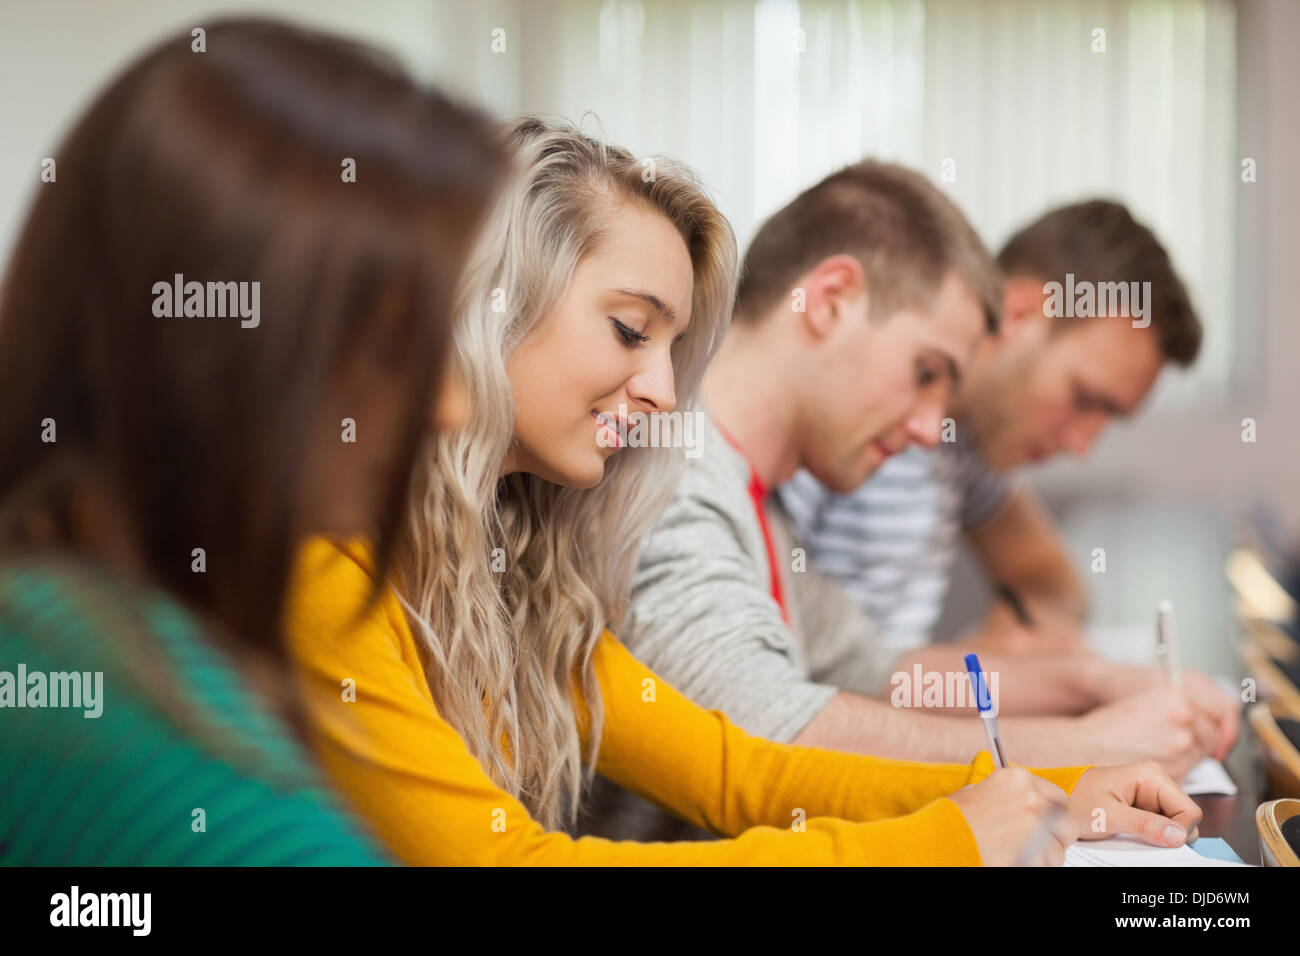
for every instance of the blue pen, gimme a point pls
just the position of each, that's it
(984, 704)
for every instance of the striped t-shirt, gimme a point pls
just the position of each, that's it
(891, 542)
(95, 773)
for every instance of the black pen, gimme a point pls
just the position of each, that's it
(1008, 594)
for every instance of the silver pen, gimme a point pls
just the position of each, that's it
(1166, 645)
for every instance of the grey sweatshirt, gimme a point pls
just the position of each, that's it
(704, 619)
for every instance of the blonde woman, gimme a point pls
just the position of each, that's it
(464, 712)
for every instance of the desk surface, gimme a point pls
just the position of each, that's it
(1233, 818)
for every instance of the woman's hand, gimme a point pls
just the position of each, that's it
(1010, 808)
(1141, 799)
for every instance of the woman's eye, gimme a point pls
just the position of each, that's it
(630, 336)
(925, 376)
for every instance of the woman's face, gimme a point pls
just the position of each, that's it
(607, 344)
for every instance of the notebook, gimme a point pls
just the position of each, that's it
(1130, 851)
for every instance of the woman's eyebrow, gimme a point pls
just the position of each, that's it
(658, 304)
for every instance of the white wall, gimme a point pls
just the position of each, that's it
(1199, 458)
(56, 54)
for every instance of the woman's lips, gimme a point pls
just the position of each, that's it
(881, 447)
(609, 427)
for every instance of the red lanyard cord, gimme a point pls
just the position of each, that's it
(758, 491)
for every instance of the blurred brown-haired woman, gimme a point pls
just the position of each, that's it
(159, 465)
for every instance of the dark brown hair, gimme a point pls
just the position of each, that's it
(1100, 241)
(906, 233)
(226, 165)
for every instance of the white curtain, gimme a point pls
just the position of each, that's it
(1017, 101)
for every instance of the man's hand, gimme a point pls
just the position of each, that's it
(1218, 714)
(1222, 709)
(1159, 725)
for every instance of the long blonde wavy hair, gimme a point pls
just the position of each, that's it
(502, 648)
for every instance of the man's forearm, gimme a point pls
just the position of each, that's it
(1020, 548)
(1052, 587)
(861, 725)
(1057, 684)
(1065, 602)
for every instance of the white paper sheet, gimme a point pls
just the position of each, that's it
(1130, 851)
(1208, 776)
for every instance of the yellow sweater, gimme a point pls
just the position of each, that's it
(410, 775)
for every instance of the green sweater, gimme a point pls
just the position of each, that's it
(125, 786)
